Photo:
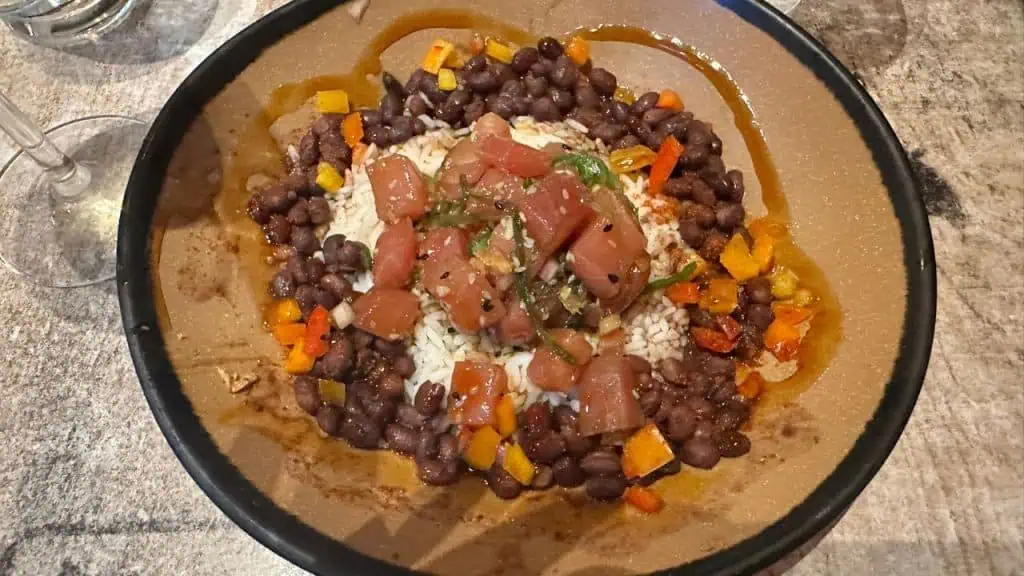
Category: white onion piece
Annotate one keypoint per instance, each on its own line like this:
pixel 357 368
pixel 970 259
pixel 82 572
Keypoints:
pixel 342 315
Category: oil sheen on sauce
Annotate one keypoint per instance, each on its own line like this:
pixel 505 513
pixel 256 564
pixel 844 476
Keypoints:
pixel 257 153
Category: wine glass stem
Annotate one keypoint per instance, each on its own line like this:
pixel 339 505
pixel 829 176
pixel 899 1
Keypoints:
pixel 68 177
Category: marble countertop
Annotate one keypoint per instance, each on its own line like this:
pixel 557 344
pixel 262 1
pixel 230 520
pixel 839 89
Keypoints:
pixel 88 485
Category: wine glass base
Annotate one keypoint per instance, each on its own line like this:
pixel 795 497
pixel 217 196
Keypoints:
pixel 51 238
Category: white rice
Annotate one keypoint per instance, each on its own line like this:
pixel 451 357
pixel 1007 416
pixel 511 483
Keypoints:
pixel 655 327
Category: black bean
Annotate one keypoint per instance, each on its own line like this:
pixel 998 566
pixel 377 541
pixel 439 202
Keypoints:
pixel 415 105
pixel 413 84
pixel 282 285
pixel 474 110
pixel 694 156
pixel 691 233
pixel 603 81
pixel 587 97
pixel 701 407
pixel 545 110
pixel 546 448
pixel 370 117
pixel 337 285
pixel 305 295
pixel 564 73
pixel 485 81
pixel 309 151
pixel 541 68
pixel 402 128
pixel 606 487
pixel 729 216
pixel 319 211
pixel 732 444
pixel 504 72
pixel 677 125
pixel 429 446
pixel 502 483
pixel 277 229
pixel 550 48
pixel 475 64
pixel 716 145
pixel 650 401
pixel 729 419
pixel 524 58
pixel 405 366
pixel 438 473
pixel 536 86
pixel 447 448
pixel 392 85
pixel 654 139
pixel 307 393
pixel 379 135
pixel 304 240
pixel 589 118
pixel 759 290
pixel 460 98
pixel 576 444
pixel 314 269
pixel 329 418
pixel 565 417
pixel 514 87
pixel 419 127
pixel 644 103
pixel 672 370
pixel 350 256
pixel 257 210
pixel 655 116
pixel 429 397
pixel 699 453
pixel 678 187
pixel 607 132
pixel 704 430
pixel 625 142
pixel 563 99
pixel 617 111
pixel 601 463
pixel 433 92
pixel 338 359
pixel 645 382
pixel 390 385
pixel 523 104
pixel 567 472
pixel 760 315
pixel 449 113
pixel 279 199
pixel 537 418
pixel 402 439
pixel 680 424
pixel 409 416
pixel 501 104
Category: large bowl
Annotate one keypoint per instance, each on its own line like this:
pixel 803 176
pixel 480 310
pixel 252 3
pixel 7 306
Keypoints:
pixel 191 285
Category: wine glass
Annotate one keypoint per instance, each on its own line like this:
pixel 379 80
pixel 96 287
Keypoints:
pixel 60 194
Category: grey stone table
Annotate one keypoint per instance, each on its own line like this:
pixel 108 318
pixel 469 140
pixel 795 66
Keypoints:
pixel 89 486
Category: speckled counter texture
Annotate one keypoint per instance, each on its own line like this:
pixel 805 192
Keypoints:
pixel 88 484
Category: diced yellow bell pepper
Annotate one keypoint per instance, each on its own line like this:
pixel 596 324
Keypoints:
pixel 298 362
pixel 332 102
pixel 737 259
pixel 436 55
pixel 332 392
pixel 784 283
pixel 644 452
pixel 721 296
pixel 506 416
pixel 518 465
pixel 284 311
pixel 446 80
pixel 578 50
pixel 498 51
pixel 328 178
pixel 803 298
pixel 763 252
pixel 482 450
pixel 625 95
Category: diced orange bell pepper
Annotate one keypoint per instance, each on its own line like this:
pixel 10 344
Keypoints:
pixel 782 339
pixel 790 313
pixel 436 55
pixel 763 252
pixel 506 416
pixel 289 333
pixel 284 312
pixel 711 339
pixel 751 386
pixel 644 452
pixel 644 499
pixel 518 465
pixel 766 227
pixel 298 362
pixel 669 99
pixel 683 293
pixel 736 258
pixel 729 326
pixel 668 155
pixel 721 296
pixel 318 326
pixel 482 450
pixel 352 129
pixel 578 50
pixel 359 153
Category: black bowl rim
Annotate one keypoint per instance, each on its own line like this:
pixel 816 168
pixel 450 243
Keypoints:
pixel 314 551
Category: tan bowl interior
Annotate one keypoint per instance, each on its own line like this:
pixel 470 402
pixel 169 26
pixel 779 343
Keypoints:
pixel 211 283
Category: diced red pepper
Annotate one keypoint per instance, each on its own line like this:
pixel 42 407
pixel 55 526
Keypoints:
pixel 644 499
pixel 669 153
pixel 318 326
pixel 729 326
pixel 713 340
pixel 683 293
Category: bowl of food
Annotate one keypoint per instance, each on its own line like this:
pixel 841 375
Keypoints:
pixel 575 287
